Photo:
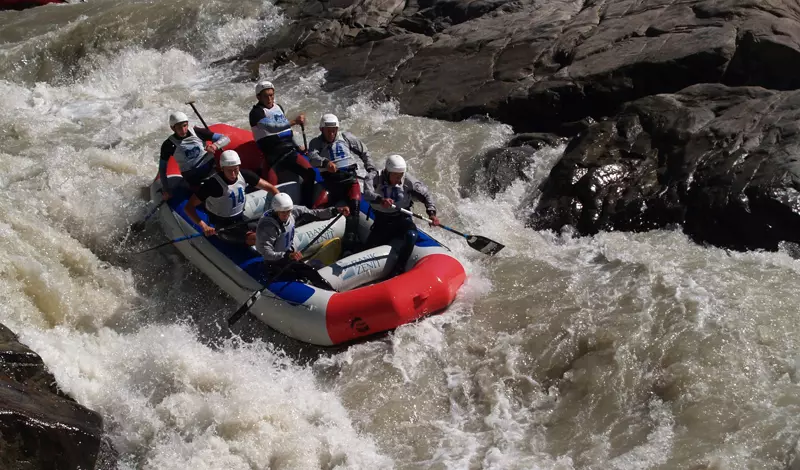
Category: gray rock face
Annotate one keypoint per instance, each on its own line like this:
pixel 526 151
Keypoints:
pixel 536 64
pixel 697 117
pixel 41 427
pixel 722 162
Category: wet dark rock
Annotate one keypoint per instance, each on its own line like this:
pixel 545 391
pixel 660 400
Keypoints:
pixel 40 426
pixel 505 165
pixel 537 65
pixel 720 161
pixel 501 167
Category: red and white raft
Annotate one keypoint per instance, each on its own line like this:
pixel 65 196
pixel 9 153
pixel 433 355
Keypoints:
pixel 368 300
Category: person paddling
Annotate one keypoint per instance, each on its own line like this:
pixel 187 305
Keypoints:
pixel 387 193
pixel 272 131
pixel 339 154
pixel 275 241
pixel 224 196
pixel 187 145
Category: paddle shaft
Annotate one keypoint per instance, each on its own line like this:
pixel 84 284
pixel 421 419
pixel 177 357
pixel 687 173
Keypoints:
pixel 477 242
pixel 137 225
pixel 255 295
pixel 191 103
pixel 303 131
pixel 421 217
pixel 189 237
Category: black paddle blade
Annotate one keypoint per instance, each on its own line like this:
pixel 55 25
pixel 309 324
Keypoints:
pixel 138 226
pixel 244 308
pixel 484 245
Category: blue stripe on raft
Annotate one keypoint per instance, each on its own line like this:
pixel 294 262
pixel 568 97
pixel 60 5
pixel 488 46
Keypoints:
pixel 294 292
pixel 243 256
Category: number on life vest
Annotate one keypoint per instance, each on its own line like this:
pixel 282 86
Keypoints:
pixel 234 199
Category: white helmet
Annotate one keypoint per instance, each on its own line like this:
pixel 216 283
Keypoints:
pixel 328 120
pixel 395 164
pixel 282 202
pixel 263 85
pixel 177 117
pixel 229 158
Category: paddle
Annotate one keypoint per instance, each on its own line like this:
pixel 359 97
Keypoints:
pixel 139 226
pixel 478 242
pixel 191 103
pixel 255 295
pixel 189 237
pixel 303 130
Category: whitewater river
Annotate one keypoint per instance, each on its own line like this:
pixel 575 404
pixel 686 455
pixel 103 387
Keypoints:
pixel 628 351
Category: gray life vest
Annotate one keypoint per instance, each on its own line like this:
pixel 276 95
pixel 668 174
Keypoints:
pixel 400 193
pixel 339 152
pixel 285 240
pixel 276 124
pixel 231 203
pixel 190 152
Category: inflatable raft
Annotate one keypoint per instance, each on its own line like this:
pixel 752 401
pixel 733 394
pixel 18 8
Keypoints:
pixel 366 301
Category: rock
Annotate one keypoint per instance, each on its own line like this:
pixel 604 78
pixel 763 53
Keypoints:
pixel 503 166
pixel 537 65
pixel 40 426
pixel 721 161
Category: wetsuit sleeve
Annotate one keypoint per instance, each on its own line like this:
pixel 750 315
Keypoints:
pixel 266 235
pixel 314 157
pixel 167 149
pixel 319 214
pixel 250 177
pixel 370 191
pixel 421 192
pixel 221 140
pixel 358 147
pixel 210 188
pixel 255 115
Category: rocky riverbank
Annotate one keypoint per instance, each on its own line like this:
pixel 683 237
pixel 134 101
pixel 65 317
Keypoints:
pixel 686 108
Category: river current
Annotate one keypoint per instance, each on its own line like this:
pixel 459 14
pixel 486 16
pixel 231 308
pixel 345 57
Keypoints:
pixel 623 351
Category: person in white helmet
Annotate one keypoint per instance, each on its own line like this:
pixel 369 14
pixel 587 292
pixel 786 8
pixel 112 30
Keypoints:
pixel 188 147
pixel 224 196
pixel 393 189
pixel 272 131
pixel 275 240
pixel 340 154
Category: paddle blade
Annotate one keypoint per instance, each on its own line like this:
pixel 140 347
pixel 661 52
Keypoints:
pixel 138 226
pixel 327 254
pixel 244 308
pixel 484 245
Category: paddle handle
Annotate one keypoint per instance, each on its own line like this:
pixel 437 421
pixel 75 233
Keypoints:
pixel 422 217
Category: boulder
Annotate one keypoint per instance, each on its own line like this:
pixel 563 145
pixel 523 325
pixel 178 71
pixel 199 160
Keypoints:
pixel 40 426
pixel 720 161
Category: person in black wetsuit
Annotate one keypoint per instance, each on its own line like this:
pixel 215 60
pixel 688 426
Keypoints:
pixel 389 192
pixel 188 147
pixel 224 196
pixel 272 131
pixel 339 154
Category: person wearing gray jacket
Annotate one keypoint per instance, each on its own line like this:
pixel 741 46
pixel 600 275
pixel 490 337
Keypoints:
pixel 389 192
pixel 340 155
pixel 275 241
